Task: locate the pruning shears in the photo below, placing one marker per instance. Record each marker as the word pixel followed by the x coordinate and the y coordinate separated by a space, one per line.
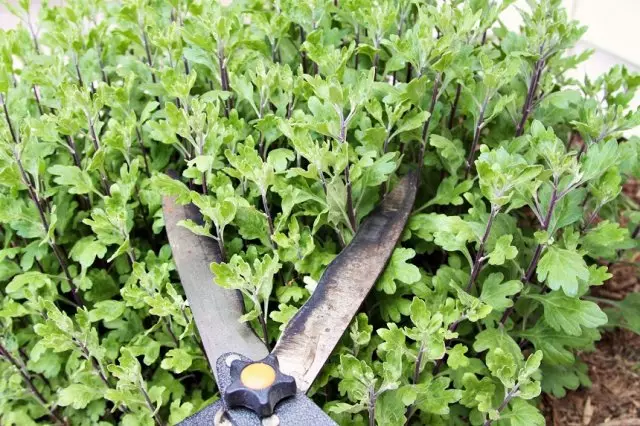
pixel 259 387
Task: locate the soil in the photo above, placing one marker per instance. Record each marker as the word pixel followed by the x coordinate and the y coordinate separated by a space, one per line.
pixel 614 368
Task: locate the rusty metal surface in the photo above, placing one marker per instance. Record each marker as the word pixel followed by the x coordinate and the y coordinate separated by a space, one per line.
pixel 313 332
pixel 216 310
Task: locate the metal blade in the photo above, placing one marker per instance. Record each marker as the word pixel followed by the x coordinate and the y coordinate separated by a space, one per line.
pixel 215 309
pixel 314 331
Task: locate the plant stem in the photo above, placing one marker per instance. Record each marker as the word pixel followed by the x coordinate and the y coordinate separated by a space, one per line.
pixel 26 377
pixel 478 261
pixel 105 78
pixel 37 97
pixel 454 106
pixel 372 406
pixel 452 327
pixel 416 368
pixel 14 135
pixel 357 41
pixel 144 151
pixel 96 145
pixel 589 221
pixel 150 406
pixel 528 276
pixel 425 127
pixel 224 79
pixel 74 151
pixel 267 211
pixel 147 50
pixel 77 67
pixel 265 331
pixel 34 36
pixel 476 138
pixel 85 203
pixel 302 52
pixel 528 103
pixel 45 224
pixel 505 402
pixel 351 214
pixel 94 362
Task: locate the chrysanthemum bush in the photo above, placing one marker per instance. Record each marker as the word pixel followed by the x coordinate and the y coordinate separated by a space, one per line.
pixel 287 121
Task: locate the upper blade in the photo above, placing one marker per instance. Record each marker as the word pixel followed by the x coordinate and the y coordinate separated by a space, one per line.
pixel 216 310
pixel 314 331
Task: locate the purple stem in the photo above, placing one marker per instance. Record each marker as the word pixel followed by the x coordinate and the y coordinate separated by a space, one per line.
pixel 505 402
pixel 533 88
pixel 425 128
pixel 26 377
pixel 528 276
pixel 454 106
pixel 372 407
pixel 477 262
pixel 351 213
pixel 14 135
pixel 476 138
pixel 37 97
pixel 224 79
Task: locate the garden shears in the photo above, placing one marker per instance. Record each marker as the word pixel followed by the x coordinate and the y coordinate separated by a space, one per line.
pixel 258 387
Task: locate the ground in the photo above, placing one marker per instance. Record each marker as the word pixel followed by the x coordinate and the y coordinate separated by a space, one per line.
pixel 614 368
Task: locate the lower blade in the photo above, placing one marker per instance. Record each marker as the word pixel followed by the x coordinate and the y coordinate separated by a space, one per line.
pixel 215 309
pixel 314 331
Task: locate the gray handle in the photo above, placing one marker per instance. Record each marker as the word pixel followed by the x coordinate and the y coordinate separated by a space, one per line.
pixel 293 411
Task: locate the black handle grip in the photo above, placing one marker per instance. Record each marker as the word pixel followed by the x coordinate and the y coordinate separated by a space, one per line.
pixel 258 386
pixel 294 411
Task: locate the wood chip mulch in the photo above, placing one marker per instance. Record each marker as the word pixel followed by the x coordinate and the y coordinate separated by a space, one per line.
pixel 614 368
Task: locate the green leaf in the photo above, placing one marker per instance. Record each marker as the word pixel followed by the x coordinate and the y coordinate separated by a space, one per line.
pixel 107 310
pixel 477 393
pixel 177 360
pixel 497 338
pixel 398 269
pixel 557 347
pixel 457 358
pixel 78 395
pixel 390 409
pixel 626 313
pixel 413 122
pixel 452 152
pixel 86 250
pixel 556 379
pixel 436 396
pixel 562 268
pixel 497 294
pixel 569 314
pixel 503 250
pixel 171 187
pixel 503 366
pixel 521 413
pixel 78 181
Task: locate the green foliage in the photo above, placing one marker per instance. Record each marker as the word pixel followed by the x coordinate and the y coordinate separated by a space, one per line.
pixel 286 122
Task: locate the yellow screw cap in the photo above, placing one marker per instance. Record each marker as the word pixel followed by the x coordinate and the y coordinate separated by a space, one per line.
pixel 258 376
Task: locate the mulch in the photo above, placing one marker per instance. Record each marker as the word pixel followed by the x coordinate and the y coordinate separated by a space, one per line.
pixel 614 368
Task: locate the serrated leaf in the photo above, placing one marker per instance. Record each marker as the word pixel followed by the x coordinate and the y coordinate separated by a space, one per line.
pixel 569 314
pixel 521 413
pixel 398 269
pixel 497 294
pixel 502 251
pixel 177 360
pixel 78 181
pixel 562 268
pixel 78 395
